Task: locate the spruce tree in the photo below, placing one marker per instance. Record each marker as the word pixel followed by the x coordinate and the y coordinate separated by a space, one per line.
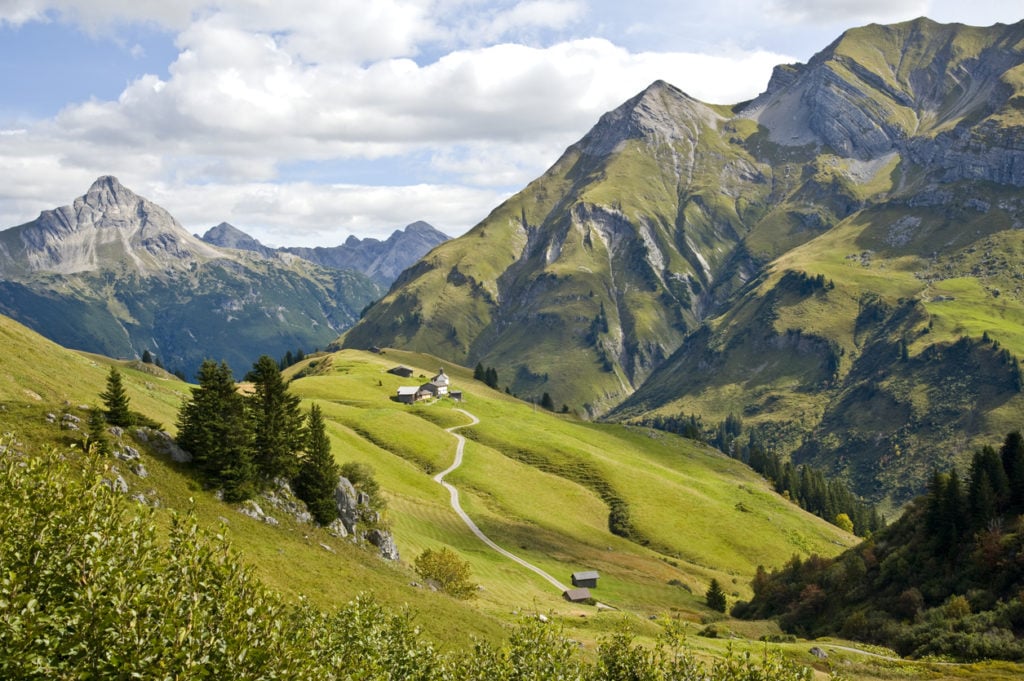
pixel 116 400
pixel 98 441
pixel 214 428
pixel 715 597
pixel 1012 454
pixel 318 473
pixel 276 422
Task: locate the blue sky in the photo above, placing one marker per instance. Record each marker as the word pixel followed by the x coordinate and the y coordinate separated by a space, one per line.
pixel 305 122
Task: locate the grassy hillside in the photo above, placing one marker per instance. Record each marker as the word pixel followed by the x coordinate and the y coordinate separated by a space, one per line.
pixel 537 483
pixel 700 514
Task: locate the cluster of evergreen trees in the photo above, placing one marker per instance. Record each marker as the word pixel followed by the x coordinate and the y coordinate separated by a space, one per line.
pixel 994 491
pixel 488 375
pixel 808 487
pixel 831 500
pixel 242 444
pixel 945 579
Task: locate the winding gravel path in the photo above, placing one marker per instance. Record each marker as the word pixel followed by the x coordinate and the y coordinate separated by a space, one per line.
pixel 457 507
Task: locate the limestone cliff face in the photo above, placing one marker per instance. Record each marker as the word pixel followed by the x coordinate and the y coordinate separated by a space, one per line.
pixel 948 97
pixel 108 224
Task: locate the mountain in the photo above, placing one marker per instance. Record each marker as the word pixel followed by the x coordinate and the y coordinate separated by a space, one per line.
pixel 226 235
pixel 833 262
pixel 379 260
pixel 114 273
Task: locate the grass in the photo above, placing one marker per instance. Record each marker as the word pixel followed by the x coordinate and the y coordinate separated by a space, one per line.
pixel 683 496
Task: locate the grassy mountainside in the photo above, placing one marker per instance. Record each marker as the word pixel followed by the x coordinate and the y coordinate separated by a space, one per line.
pixel 864 351
pixel 602 263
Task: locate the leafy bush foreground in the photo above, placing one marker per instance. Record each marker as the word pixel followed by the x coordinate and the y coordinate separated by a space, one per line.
pixel 92 587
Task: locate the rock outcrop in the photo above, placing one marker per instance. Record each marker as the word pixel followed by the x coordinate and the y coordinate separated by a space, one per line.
pixel 357 519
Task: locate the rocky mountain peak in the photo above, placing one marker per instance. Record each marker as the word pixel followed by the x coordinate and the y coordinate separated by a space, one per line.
pixel 921 86
pixel 661 114
pixel 108 226
pixel 227 235
pixel 107 191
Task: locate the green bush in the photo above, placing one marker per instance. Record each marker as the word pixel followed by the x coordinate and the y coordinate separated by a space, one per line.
pixel 445 569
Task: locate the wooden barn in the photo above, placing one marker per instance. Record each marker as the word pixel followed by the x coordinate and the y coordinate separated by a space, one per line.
pixel 576 595
pixel 586 578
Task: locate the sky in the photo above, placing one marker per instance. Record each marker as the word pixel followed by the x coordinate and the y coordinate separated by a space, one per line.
pixel 307 121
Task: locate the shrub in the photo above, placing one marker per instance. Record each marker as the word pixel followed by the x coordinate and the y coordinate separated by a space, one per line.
pixel 445 569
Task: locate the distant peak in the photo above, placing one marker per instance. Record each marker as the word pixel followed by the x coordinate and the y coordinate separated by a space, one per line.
pixel 108 190
pixel 107 183
pixel 661 112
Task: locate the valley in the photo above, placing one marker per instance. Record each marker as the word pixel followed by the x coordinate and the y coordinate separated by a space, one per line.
pixel 825 282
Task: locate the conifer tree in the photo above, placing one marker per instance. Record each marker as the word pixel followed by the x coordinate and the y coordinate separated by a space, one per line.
pixel 98 441
pixel 213 427
pixel 276 421
pixel 1012 454
pixel 318 473
pixel 715 597
pixel 116 401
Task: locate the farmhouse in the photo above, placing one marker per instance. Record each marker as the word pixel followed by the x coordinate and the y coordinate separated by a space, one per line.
pixel 576 595
pixel 441 383
pixel 587 578
pixel 401 370
pixel 408 394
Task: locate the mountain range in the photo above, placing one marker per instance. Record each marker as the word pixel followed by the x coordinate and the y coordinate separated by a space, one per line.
pixel 382 261
pixel 835 263
pixel 116 274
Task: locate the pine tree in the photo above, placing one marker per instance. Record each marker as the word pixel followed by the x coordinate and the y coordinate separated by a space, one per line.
pixel 318 473
pixel 116 401
pixel 478 373
pixel 547 403
pixel 213 427
pixel 276 421
pixel 98 441
pixel 1012 454
pixel 715 597
pixel 147 357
